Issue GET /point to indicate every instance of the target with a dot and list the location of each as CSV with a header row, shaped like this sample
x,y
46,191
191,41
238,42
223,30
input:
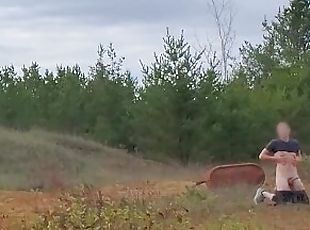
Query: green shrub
x,y
84,210
198,202
89,209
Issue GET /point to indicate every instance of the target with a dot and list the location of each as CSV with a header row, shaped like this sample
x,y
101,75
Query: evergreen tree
x,y
167,109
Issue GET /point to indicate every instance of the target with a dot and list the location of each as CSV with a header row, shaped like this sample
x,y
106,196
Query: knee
x,y
301,197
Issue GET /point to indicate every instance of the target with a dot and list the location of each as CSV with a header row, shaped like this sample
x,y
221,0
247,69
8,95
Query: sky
x,y
68,32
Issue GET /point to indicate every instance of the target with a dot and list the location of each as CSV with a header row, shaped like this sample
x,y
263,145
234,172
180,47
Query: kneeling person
x,y
286,153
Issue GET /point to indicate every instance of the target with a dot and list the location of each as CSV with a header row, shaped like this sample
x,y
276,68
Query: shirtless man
x,y
286,153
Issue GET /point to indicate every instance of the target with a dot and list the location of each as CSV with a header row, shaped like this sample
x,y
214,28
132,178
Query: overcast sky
x,y
69,31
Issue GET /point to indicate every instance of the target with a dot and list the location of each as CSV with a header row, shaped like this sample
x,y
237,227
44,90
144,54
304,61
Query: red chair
x,y
234,174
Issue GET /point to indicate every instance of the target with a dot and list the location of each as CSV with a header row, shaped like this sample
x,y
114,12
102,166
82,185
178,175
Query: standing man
x,y
286,153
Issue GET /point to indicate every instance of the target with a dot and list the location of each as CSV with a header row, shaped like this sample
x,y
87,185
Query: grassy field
x,y
45,160
149,205
129,192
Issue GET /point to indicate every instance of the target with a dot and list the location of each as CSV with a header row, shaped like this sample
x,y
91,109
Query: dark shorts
x,y
291,197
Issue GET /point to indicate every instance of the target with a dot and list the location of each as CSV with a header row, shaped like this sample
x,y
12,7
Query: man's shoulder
x,y
275,140
294,141
272,144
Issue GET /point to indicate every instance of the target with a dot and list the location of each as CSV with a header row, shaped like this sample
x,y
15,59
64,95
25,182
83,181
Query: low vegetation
x,y
150,207
192,210
165,201
40,160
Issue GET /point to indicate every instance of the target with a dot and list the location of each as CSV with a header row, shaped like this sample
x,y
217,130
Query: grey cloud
x,y
113,11
68,31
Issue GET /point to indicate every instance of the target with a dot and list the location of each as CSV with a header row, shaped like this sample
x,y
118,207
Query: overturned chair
x,y
233,174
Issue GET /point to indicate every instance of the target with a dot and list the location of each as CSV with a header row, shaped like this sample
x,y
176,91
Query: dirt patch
x,y
15,207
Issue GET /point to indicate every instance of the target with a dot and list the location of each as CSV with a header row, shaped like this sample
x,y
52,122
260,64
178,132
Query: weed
x,y
83,211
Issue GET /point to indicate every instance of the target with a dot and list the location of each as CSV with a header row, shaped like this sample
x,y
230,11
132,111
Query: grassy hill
x,y
44,160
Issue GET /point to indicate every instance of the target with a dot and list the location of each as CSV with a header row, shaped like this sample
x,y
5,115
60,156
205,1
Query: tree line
x,y
183,109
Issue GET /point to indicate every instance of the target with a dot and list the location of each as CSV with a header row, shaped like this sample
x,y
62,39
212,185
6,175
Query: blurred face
x,y
283,130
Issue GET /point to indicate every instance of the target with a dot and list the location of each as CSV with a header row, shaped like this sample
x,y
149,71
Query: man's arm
x,y
268,152
267,155
299,156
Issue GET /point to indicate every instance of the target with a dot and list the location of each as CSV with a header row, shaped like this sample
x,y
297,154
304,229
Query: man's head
x,y
283,130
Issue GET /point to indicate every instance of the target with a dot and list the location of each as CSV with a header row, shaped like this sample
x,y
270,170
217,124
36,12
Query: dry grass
x,y
44,160
229,209
41,159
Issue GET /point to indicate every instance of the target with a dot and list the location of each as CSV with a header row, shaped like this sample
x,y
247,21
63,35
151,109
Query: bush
x,y
89,209
84,210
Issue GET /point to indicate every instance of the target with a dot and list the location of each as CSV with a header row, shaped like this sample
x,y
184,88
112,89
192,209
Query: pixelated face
x,y
283,130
